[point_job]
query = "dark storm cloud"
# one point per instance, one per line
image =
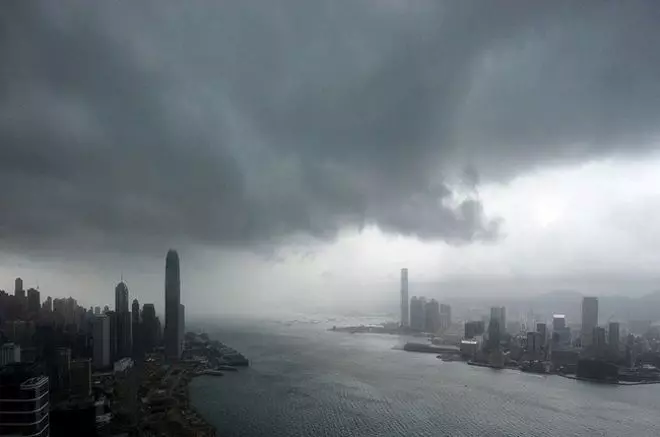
(243, 122)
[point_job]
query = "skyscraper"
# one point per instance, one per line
(150, 334)
(499, 314)
(589, 319)
(123, 319)
(182, 323)
(558, 322)
(405, 312)
(34, 301)
(417, 314)
(101, 337)
(48, 304)
(18, 288)
(445, 316)
(121, 297)
(138, 332)
(172, 302)
(613, 334)
(432, 316)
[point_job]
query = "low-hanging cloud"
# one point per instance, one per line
(242, 122)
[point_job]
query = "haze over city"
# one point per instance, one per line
(299, 154)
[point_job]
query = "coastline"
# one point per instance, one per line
(166, 408)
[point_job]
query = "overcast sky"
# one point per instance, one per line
(311, 149)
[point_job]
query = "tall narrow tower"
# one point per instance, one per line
(172, 302)
(405, 314)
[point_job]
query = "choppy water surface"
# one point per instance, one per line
(309, 382)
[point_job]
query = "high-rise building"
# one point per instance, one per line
(18, 288)
(542, 329)
(599, 338)
(121, 297)
(81, 377)
(405, 311)
(589, 319)
(613, 336)
(150, 335)
(101, 336)
(10, 353)
(24, 402)
(97, 311)
(182, 324)
(558, 322)
(106, 309)
(499, 314)
(431, 316)
(535, 342)
(474, 328)
(48, 304)
(138, 331)
(33, 300)
(62, 371)
(445, 316)
(123, 322)
(417, 314)
(172, 302)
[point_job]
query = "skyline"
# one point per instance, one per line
(391, 147)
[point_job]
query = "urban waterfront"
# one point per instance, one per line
(304, 380)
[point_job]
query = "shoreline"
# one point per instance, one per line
(166, 406)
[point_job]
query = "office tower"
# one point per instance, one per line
(48, 304)
(70, 306)
(101, 336)
(613, 336)
(149, 327)
(474, 328)
(135, 311)
(10, 353)
(445, 316)
(81, 377)
(499, 314)
(558, 322)
(114, 342)
(535, 342)
(123, 321)
(97, 311)
(542, 329)
(405, 312)
(417, 314)
(172, 302)
(599, 338)
(494, 333)
(106, 309)
(24, 399)
(121, 297)
(182, 324)
(62, 370)
(431, 316)
(33, 300)
(59, 306)
(18, 288)
(138, 331)
(589, 319)
(159, 331)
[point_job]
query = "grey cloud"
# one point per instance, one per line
(245, 122)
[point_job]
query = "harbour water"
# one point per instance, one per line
(307, 381)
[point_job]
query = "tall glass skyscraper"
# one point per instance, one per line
(172, 302)
(405, 314)
(123, 322)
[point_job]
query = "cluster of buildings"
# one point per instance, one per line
(55, 354)
(494, 340)
(421, 315)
